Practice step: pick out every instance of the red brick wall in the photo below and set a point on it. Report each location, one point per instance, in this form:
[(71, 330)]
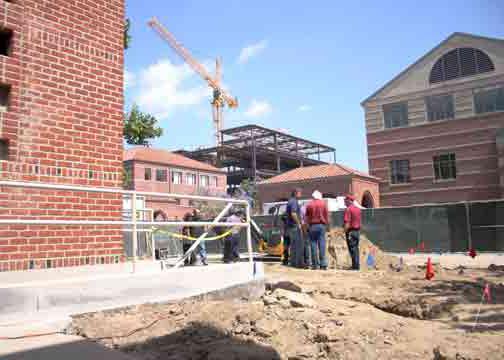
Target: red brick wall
[(64, 125), (171, 207), (473, 140), (335, 186)]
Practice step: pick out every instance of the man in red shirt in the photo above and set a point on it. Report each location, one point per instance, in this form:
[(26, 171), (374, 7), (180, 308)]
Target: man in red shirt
[(352, 220), (317, 218)]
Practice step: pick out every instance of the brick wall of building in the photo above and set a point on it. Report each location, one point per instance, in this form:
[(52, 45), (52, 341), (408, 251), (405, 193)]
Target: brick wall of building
[(63, 124), (329, 187), (472, 140), (500, 161), (171, 207)]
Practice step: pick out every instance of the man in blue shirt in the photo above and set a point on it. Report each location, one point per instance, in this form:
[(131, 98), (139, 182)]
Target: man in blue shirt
[(294, 230)]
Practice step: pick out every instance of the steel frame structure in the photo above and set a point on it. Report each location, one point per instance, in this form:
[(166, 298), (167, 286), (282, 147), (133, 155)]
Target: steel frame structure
[(256, 152)]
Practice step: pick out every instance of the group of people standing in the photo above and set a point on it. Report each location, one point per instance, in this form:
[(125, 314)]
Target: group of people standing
[(231, 241), (305, 231)]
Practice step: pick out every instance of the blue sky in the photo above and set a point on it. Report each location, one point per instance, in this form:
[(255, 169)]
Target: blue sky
[(300, 66)]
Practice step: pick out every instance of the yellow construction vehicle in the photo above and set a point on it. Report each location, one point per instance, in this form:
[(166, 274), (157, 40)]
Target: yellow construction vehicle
[(270, 234)]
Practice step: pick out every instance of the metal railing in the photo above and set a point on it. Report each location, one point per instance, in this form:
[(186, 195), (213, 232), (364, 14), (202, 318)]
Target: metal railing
[(134, 222)]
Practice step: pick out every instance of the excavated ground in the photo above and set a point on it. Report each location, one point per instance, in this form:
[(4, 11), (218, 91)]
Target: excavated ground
[(334, 314)]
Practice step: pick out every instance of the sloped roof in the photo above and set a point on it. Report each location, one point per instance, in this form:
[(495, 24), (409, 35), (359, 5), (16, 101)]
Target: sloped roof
[(462, 34), (164, 157), (316, 172)]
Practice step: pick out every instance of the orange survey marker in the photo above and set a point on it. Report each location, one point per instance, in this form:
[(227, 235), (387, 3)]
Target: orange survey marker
[(429, 271)]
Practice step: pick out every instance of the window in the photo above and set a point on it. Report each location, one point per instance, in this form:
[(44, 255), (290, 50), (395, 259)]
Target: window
[(489, 101), (459, 63), (204, 180), (5, 41), (440, 107), (161, 175), (395, 115), (4, 149), (215, 181), (176, 177), (147, 174), (4, 96), (399, 172), (190, 179), (445, 167)]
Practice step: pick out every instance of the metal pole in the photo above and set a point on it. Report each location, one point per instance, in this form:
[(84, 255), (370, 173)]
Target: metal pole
[(249, 235), (134, 234), (203, 236), (468, 226)]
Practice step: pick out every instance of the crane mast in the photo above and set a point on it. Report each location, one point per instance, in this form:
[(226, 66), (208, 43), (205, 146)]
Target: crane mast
[(220, 96)]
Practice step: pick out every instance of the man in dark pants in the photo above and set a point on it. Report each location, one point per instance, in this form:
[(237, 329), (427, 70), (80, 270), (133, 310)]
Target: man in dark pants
[(286, 241), (352, 220), (232, 242), (317, 217), (294, 230), (196, 232)]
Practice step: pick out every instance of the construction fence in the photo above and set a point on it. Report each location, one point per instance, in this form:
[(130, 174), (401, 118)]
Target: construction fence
[(454, 227)]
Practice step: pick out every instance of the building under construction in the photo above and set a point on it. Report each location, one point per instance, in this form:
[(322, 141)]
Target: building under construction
[(255, 152)]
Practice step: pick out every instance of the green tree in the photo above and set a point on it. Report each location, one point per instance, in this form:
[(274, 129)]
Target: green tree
[(140, 127), (127, 36)]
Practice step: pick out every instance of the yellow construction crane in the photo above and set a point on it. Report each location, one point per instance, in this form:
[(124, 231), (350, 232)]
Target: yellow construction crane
[(220, 96)]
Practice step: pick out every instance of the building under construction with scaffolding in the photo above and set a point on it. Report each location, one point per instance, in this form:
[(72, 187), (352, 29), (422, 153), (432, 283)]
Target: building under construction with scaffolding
[(257, 153)]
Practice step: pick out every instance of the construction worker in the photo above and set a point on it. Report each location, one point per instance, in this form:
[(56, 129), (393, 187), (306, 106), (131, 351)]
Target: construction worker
[(352, 221), (196, 232), (286, 240), (294, 230), (305, 237), (186, 244), (317, 217), (232, 242)]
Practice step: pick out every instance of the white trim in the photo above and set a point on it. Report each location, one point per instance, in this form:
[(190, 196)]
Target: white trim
[(448, 133), (439, 189), (473, 116), (468, 173), (430, 163), (446, 148)]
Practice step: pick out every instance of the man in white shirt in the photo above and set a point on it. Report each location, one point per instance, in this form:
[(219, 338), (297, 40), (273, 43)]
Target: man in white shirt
[(232, 242)]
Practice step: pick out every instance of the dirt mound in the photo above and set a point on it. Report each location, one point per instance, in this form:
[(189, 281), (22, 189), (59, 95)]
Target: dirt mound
[(339, 257)]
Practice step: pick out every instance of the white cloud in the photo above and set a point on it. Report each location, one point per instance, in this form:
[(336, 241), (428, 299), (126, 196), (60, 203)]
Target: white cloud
[(251, 50), (164, 86), (258, 108), (304, 107), (129, 79)]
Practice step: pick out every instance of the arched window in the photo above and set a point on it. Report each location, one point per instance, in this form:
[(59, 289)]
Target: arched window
[(460, 62), (367, 200)]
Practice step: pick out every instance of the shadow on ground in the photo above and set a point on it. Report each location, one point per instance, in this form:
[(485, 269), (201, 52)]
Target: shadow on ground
[(201, 341), (74, 350)]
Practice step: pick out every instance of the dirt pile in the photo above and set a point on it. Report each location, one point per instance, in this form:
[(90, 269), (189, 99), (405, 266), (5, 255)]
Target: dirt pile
[(339, 257), (295, 319)]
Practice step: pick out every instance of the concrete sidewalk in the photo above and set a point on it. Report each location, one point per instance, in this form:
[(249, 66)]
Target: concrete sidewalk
[(34, 296)]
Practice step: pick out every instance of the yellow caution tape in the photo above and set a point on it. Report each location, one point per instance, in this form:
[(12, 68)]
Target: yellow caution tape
[(185, 237)]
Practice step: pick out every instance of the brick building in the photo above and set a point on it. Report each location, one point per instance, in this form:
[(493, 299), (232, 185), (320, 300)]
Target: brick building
[(331, 180), (158, 170), (61, 110), (432, 131)]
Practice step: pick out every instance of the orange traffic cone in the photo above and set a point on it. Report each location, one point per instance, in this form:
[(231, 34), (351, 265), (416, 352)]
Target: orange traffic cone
[(429, 271)]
